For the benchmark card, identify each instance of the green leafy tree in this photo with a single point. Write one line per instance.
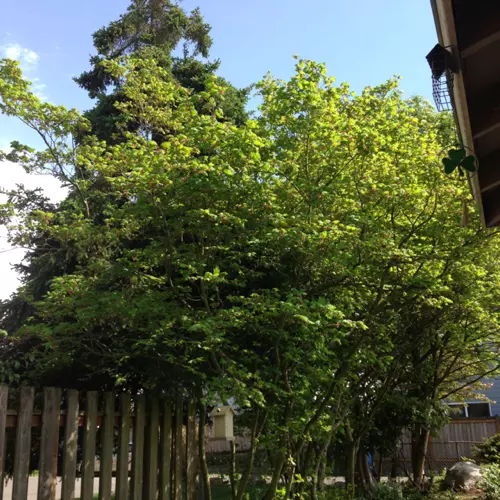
(306, 263)
(153, 29)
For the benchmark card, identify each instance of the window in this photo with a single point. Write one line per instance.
(478, 410)
(469, 410)
(457, 410)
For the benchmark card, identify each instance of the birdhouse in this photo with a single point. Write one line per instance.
(223, 422)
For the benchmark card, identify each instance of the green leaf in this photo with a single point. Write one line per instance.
(304, 319)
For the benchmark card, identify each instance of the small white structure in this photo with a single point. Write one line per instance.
(223, 423)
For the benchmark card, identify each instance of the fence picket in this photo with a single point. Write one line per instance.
(164, 458)
(70, 446)
(89, 446)
(191, 451)
(123, 449)
(179, 456)
(166, 453)
(138, 448)
(151, 455)
(106, 463)
(4, 396)
(23, 445)
(49, 444)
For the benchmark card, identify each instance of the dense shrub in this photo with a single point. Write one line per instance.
(488, 451)
(389, 492)
(491, 481)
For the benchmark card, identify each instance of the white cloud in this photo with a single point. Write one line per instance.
(28, 58)
(10, 175)
(38, 89)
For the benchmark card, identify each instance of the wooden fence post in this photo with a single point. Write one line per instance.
(497, 422)
(151, 455)
(107, 435)
(138, 448)
(166, 453)
(70, 446)
(150, 471)
(4, 396)
(191, 451)
(23, 444)
(123, 450)
(49, 444)
(89, 446)
(47, 472)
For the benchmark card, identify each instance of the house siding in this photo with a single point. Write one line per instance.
(493, 393)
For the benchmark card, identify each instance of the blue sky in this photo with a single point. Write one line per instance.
(363, 42)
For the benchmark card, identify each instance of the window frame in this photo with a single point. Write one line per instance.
(465, 406)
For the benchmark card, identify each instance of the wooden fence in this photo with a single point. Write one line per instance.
(457, 439)
(163, 455)
(455, 443)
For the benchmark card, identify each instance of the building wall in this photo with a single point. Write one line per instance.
(494, 394)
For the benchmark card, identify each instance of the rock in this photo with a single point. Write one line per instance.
(463, 476)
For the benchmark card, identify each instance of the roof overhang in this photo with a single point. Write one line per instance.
(471, 30)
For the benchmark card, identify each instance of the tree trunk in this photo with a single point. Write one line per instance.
(322, 474)
(205, 477)
(303, 467)
(278, 467)
(394, 465)
(318, 477)
(420, 439)
(290, 482)
(365, 474)
(379, 468)
(320, 468)
(232, 474)
(352, 447)
(248, 470)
